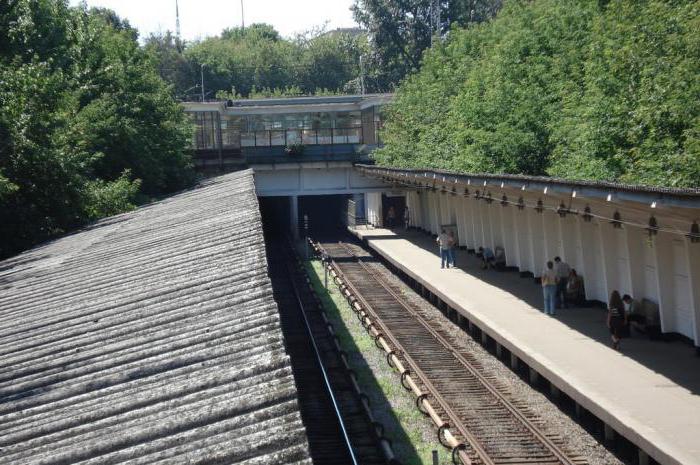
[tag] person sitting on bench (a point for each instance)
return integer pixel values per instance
(633, 309)
(499, 261)
(488, 259)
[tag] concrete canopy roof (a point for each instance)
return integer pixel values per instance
(647, 195)
(150, 337)
(292, 104)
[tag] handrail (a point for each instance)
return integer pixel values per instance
(303, 136)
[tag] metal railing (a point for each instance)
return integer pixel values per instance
(287, 137)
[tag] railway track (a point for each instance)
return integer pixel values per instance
(473, 408)
(340, 427)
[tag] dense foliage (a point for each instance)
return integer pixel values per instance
(258, 62)
(87, 126)
(604, 90)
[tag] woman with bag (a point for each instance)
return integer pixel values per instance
(617, 319)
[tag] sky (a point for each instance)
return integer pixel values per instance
(202, 18)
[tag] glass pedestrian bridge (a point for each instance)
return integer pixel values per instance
(332, 128)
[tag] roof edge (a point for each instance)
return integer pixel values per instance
(656, 191)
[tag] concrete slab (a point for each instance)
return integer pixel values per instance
(649, 392)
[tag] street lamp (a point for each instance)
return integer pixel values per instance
(201, 69)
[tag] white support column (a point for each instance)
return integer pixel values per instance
(453, 208)
(475, 222)
(479, 216)
(468, 222)
(434, 212)
(424, 208)
(623, 266)
(294, 216)
(522, 229)
(664, 263)
(458, 204)
(419, 221)
(570, 241)
(373, 206)
(486, 236)
(509, 233)
(636, 239)
(607, 246)
(675, 294)
(552, 235)
(536, 241)
(694, 268)
(444, 200)
(496, 231)
(594, 271)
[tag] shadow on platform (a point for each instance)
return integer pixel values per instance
(675, 360)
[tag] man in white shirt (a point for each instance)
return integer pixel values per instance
(549, 288)
(562, 270)
(444, 240)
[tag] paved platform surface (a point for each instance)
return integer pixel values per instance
(649, 392)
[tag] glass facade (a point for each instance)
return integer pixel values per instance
(321, 128)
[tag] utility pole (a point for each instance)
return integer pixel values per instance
(201, 69)
(362, 76)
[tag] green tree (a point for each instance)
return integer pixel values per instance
(243, 59)
(127, 114)
(401, 31)
(581, 90)
(257, 60)
(87, 127)
(172, 65)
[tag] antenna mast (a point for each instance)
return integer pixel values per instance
(242, 17)
(177, 27)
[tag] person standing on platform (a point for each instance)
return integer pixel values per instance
(562, 269)
(406, 218)
(452, 244)
(391, 217)
(549, 288)
(444, 241)
(617, 319)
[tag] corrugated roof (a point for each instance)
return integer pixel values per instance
(150, 337)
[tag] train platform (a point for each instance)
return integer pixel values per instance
(648, 393)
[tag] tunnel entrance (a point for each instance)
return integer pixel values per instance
(327, 214)
(276, 215)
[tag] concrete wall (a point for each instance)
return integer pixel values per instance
(312, 179)
(664, 268)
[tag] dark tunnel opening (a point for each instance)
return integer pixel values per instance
(325, 215)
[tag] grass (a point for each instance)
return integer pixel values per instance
(414, 436)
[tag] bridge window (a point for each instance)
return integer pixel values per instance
(318, 128)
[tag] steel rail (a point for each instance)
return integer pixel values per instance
(319, 360)
(384, 442)
(393, 361)
(553, 448)
(536, 433)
